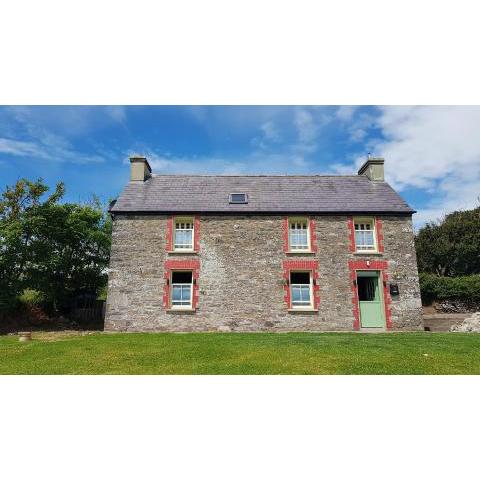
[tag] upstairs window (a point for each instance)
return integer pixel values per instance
(183, 236)
(301, 289)
(238, 198)
(298, 235)
(182, 282)
(365, 235)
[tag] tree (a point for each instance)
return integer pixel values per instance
(56, 248)
(450, 247)
(18, 207)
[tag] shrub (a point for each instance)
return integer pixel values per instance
(31, 297)
(433, 287)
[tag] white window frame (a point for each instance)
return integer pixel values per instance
(188, 306)
(365, 221)
(298, 220)
(310, 284)
(183, 221)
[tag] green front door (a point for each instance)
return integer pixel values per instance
(370, 299)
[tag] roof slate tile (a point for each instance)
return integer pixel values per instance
(266, 193)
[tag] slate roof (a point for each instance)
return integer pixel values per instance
(266, 193)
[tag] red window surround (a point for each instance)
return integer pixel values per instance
(302, 265)
(172, 265)
(381, 265)
(196, 233)
(351, 234)
(313, 236)
(379, 230)
(378, 233)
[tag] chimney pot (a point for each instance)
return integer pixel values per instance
(140, 169)
(373, 168)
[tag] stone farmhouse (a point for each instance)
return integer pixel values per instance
(262, 253)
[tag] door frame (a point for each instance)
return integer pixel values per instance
(378, 275)
(370, 265)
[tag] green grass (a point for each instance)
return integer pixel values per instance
(242, 353)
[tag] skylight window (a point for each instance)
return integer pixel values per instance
(238, 198)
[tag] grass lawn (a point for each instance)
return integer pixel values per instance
(242, 353)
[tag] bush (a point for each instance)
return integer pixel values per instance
(433, 287)
(31, 297)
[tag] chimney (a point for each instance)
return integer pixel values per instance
(373, 169)
(139, 169)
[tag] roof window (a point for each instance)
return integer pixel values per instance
(238, 198)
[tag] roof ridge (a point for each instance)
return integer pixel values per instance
(252, 175)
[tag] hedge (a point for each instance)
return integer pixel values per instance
(433, 287)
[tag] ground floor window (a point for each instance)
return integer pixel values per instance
(182, 283)
(301, 289)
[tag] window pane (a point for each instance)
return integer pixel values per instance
(305, 294)
(367, 289)
(181, 277)
(369, 238)
(180, 237)
(300, 278)
(186, 293)
(238, 198)
(176, 293)
(296, 294)
(181, 295)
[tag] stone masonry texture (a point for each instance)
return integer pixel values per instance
(241, 285)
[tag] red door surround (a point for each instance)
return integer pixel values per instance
(382, 266)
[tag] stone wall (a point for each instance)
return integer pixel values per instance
(241, 284)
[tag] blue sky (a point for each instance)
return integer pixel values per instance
(432, 153)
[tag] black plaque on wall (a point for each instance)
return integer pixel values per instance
(394, 291)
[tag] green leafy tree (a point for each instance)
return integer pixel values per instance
(18, 218)
(55, 248)
(450, 247)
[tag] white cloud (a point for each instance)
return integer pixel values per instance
(357, 134)
(294, 148)
(19, 148)
(50, 149)
(435, 149)
(269, 135)
(257, 162)
(308, 123)
(66, 121)
(41, 126)
(432, 148)
(117, 113)
(346, 112)
(270, 132)
(307, 130)
(449, 197)
(342, 169)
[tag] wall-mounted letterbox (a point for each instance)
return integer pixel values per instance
(394, 291)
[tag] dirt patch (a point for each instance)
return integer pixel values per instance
(53, 336)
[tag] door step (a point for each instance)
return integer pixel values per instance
(373, 329)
